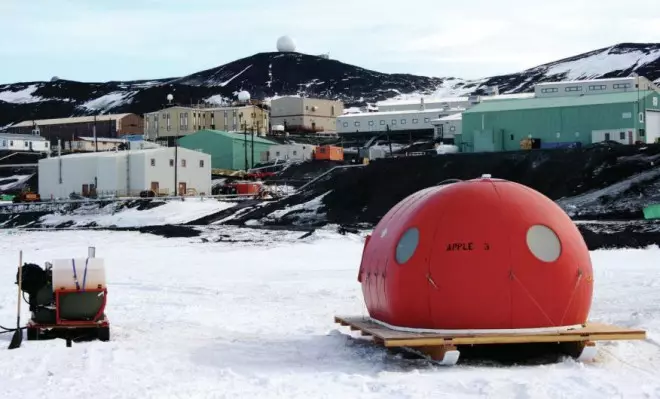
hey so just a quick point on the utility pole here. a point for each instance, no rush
(252, 144)
(245, 142)
(388, 139)
(96, 142)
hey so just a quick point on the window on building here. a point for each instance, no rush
(607, 136)
(621, 86)
(414, 121)
(642, 132)
(511, 136)
(597, 87)
(357, 124)
(201, 163)
(573, 88)
(153, 162)
(403, 121)
(622, 135)
(427, 120)
(171, 163)
(393, 121)
(183, 163)
(277, 153)
(345, 124)
(550, 90)
(4, 143)
(11, 143)
(641, 117)
(295, 152)
(382, 122)
(371, 123)
(332, 110)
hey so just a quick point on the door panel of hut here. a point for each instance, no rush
(155, 187)
(182, 188)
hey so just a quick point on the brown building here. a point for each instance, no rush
(68, 129)
(305, 115)
(178, 121)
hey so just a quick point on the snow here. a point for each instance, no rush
(12, 182)
(255, 320)
(226, 82)
(593, 198)
(218, 99)
(310, 211)
(599, 64)
(23, 96)
(172, 212)
(109, 101)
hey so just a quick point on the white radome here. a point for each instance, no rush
(286, 44)
(243, 96)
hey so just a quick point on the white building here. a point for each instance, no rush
(89, 144)
(421, 104)
(126, 173)
(447, 127)
(398, 121)
(592, 86)
(292, 152)
(23, 143)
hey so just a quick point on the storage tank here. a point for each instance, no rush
(478, 254)
(73, 277)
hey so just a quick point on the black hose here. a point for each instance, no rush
(8, 330)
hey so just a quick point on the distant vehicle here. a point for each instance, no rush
(26, 196)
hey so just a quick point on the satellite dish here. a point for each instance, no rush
(170, 97)
(243, 96)
(286, 44)
(54, 78)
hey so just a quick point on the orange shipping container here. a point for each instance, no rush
(247, 188)
(329, 152)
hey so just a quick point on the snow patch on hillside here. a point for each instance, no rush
(23, 96)
(599, 64)
(109, 101)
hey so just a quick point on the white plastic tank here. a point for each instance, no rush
(89, 273)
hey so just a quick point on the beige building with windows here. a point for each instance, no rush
(305, 115)
(181, 121)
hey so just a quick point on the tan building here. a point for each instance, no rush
(180, 121)
(305, 115)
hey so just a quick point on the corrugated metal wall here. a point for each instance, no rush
(551, 125)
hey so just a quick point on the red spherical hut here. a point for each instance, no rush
(479, 254)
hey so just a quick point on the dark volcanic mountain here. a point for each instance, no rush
(266, 75)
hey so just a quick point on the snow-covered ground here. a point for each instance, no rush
(172, 212)
(214, 320)
(13, 182)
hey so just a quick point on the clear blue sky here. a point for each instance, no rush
(100, 40)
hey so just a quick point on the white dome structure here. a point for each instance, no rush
(286, 44)
(243, 96)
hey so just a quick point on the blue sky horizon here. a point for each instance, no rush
(98, 41)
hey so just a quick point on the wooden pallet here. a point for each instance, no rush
(442, 347)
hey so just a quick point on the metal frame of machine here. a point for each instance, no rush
(98, 327)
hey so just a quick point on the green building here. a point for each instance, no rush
(502, 125)
(227, 149)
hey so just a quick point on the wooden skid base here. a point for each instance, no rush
(442, 347)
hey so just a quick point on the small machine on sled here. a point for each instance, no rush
(67, 299)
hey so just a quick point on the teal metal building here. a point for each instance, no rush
(227, 149)
(503, 125)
